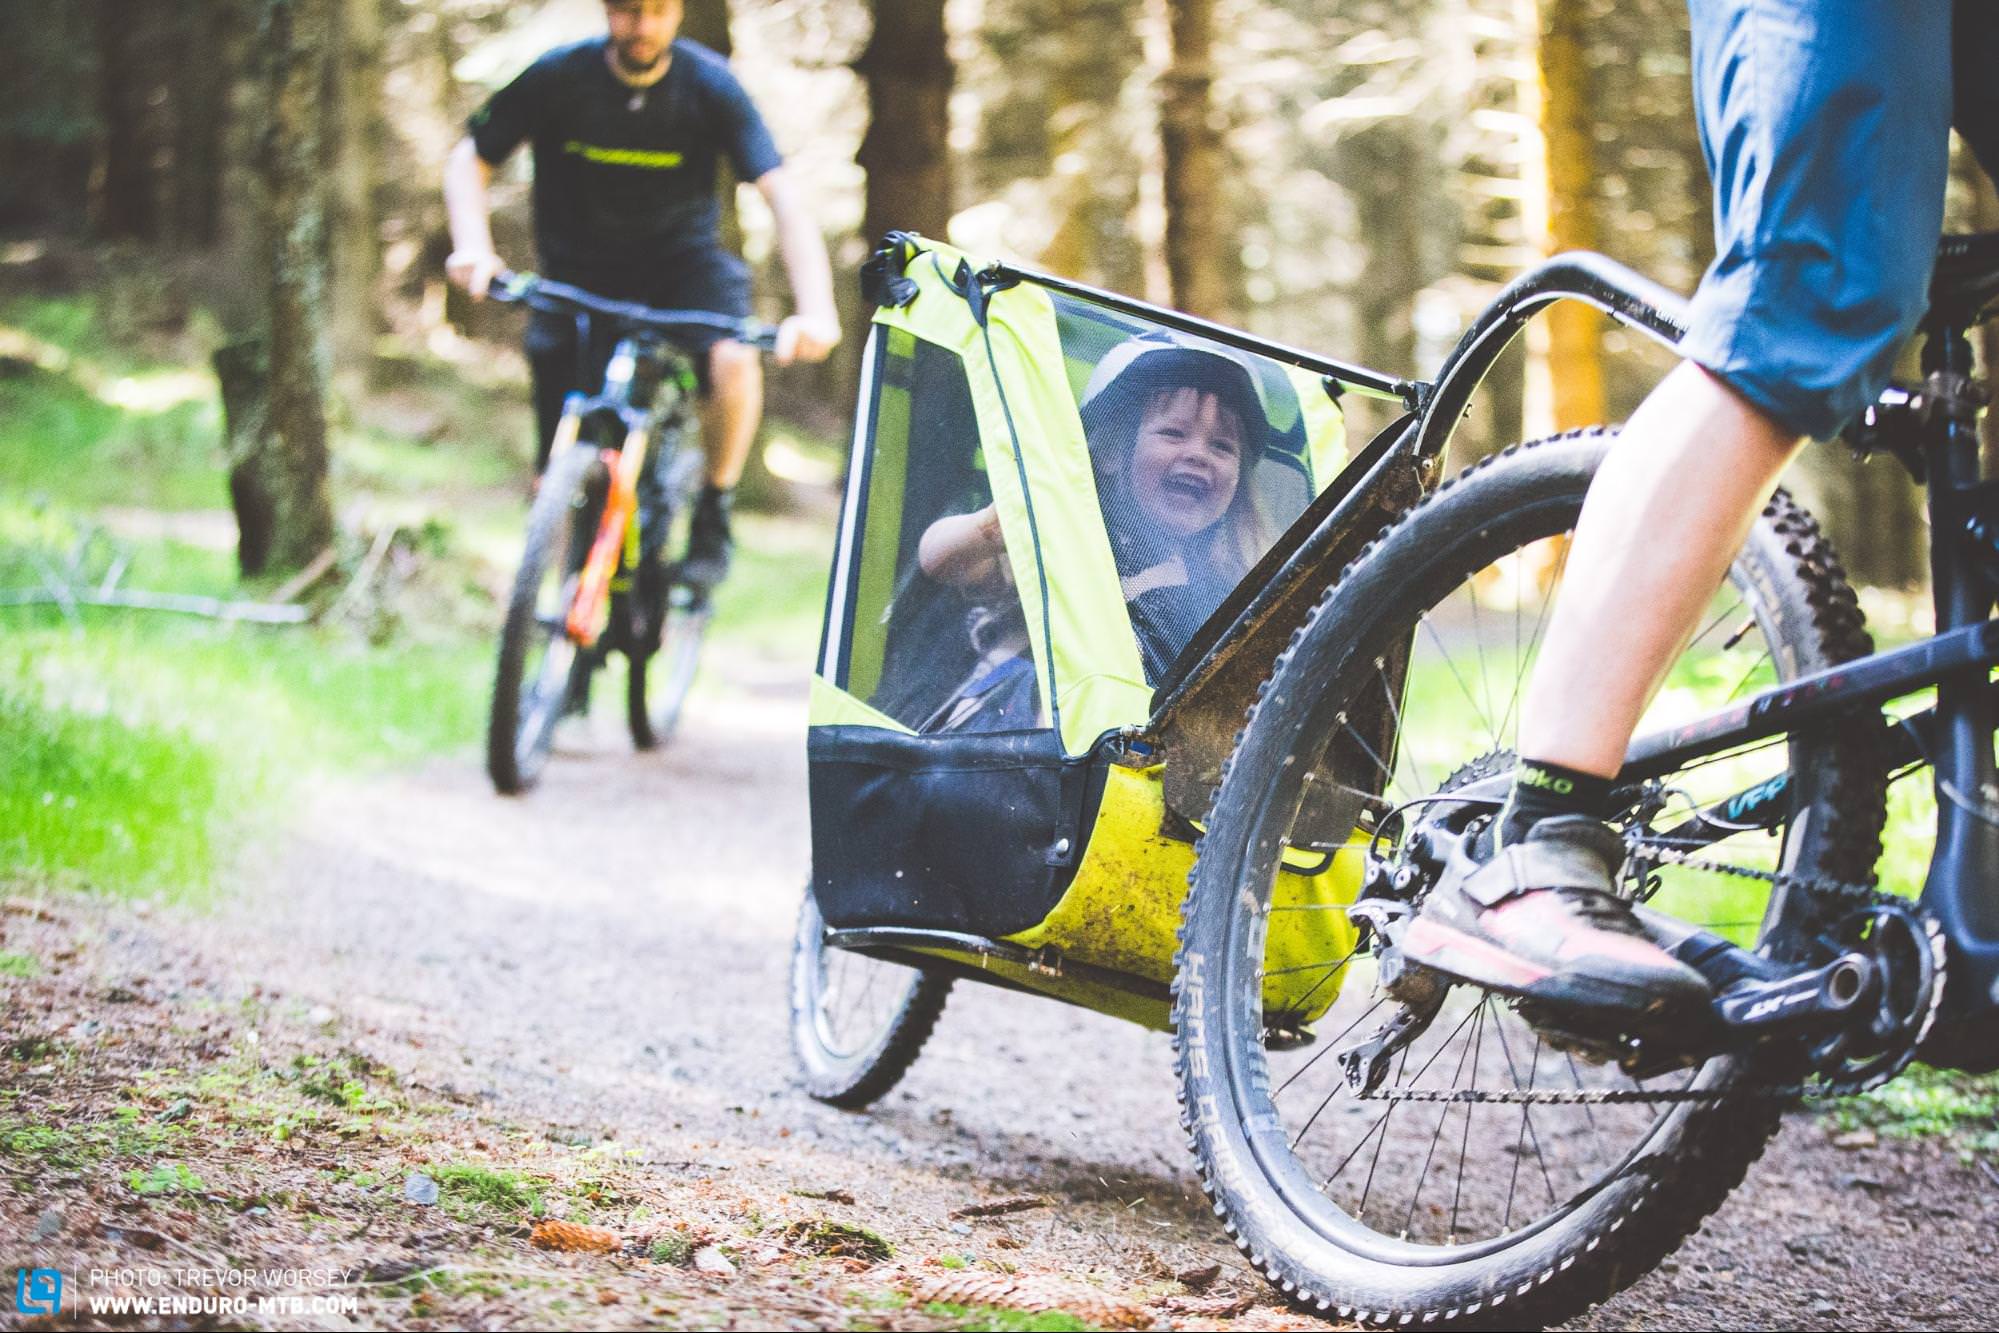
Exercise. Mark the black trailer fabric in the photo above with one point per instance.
(976, 833)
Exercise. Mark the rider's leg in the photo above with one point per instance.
(732, 411)
(731, 381)
(1648, 553)
(550, 344)
(730, 415)
(1826, 126)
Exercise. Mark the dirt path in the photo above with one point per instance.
(608, 956)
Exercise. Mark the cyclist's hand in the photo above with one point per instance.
(474, 270)
(805, 338)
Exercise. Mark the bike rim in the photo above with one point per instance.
(557, 667)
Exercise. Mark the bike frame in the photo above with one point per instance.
(616, 544)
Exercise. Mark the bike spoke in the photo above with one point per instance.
(1534, 641)
(1395, 711)
(1464, 1143)
(1312, 967)
(1457, 1080)
(1588, 1115)
(1527, 1131)
(1457, 675)
(1326, 1048)
(1374, 1162)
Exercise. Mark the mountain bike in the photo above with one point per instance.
(1444, 1155)
(595, 577)
(1381, 1142)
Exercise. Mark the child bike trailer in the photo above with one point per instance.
(1060, 506)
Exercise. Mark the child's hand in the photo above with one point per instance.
(967, 551)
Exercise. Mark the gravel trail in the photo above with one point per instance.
(608, 956)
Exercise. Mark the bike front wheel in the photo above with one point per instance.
(1498, 1173)
(544, 671)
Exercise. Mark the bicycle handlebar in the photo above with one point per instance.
(538, 293)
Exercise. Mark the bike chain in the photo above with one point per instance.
(1658, 853)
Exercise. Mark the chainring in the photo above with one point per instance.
(1907, 946)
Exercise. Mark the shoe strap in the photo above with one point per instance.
(1539, 863)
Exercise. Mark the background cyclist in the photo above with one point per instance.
(1826, 126)
(627, 131)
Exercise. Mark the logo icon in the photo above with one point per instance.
(38, 1291)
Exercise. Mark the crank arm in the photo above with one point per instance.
(1817, 1000)
(1758, 997)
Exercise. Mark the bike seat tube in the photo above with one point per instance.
(1962, 890)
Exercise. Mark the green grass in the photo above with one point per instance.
(471, 1192)
(136, 752)
(135, 747)
(127, 1135)
(89, 423)
(19, 965)
(672, 1248)
(163, 1178)
(1930, 1103)
(99, 800)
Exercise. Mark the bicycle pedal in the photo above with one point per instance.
(1592, 1048)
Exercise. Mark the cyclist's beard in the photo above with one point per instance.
(631, 58)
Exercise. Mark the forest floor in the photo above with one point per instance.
(572, 1006)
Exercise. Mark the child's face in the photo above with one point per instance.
(1186, 460)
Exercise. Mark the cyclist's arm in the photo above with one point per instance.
(473, 261)
(815, 329)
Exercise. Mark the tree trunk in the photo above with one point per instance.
(245, 376)
(1409, 224)
(355, 230)
(1568, 124)
(285, 463)
(1092, 184)
(130, 39)
(1194, 164)
(707, 22)
(906, 149)
(198, 94)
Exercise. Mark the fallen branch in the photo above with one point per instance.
(213, 608)
(1017, 1204)
(305, 578)
(365, 575)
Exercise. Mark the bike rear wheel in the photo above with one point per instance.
(543, 670)
(857, 1023)
(1497, 1177)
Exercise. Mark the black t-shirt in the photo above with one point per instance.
(624, 177)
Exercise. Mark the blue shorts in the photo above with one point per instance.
(1826, 128)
